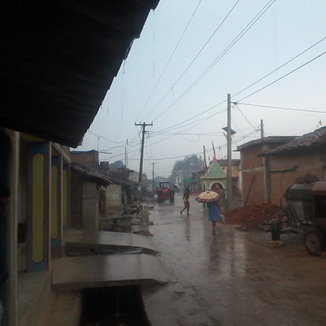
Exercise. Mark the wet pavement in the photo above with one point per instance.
(232, 278)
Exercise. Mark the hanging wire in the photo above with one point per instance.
(220, 56)
(171, 56)
(281, 108)
(235, 104)
(278, 79)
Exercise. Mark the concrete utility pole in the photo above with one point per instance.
(143, 125)
(229, 153)
(197, 175)
(261, 129)
(126, 154)
(153, 184)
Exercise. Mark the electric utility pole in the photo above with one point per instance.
(153, 183)
(126, 154)
(143, 125)
(229, 153)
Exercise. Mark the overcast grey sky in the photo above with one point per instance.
(190, 55)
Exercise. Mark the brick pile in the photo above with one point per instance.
(252, 217)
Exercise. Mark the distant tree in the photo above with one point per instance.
(117, 165)
(189, 164)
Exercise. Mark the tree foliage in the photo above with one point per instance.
(189, 164)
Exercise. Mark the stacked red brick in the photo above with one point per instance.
(251, 217)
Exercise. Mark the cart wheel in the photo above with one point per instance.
(276, 229)
(314, 241)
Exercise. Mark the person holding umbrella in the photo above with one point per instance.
(211, 198)
(213, 212)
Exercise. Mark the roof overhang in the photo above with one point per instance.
(59, 58)
(265, 141)
(91, 174)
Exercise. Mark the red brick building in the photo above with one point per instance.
(254, 171)
(297, 158)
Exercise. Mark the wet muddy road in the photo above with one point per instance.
(232, 278)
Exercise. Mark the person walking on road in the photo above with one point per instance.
(213, 212)
(186, 203)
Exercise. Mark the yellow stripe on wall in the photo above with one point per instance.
(38, 208)
(54, 202)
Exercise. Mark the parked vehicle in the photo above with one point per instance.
(307, 205)
(165, 192)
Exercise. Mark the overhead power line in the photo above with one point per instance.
(190, 127)
(236, 140)
(180, 124)
(98, 136)
(232, 43)
(200, 153)
(175, 48)
(209, 39)
(289, 73)
(238, 102)
(245, 116)
(168, 158)
(278, 68)
(222, 102)
(220, 56)
(193, 123)
(186, 133)
(188, 67)
(281, 108)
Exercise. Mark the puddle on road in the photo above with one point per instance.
(113, 306)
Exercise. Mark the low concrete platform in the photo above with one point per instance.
(75, 273)
(99, 240)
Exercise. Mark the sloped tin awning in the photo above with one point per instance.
(91, 174)
(59, 59)
(105, 239)
(75, 273)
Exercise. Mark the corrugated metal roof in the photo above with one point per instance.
(104, 179)
(58, 59)
(266, 140)
(91, 174)
(310, 140)
(117, 179)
